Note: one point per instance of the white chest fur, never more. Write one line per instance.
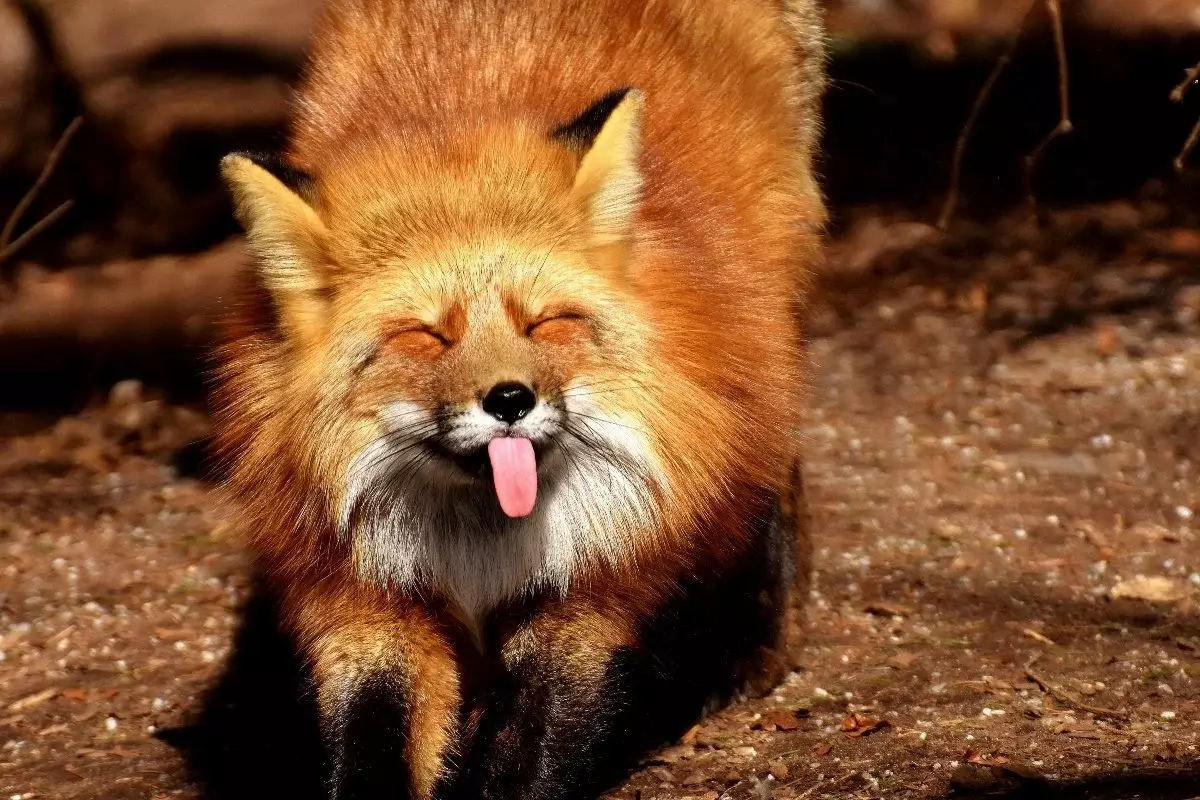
(414, 526)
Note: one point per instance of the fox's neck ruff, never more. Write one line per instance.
(416, 524)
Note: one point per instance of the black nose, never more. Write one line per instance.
(509, 402)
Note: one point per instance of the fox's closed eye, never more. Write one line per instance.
(559, 328)
(419, 342)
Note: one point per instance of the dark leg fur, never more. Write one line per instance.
(366, 736)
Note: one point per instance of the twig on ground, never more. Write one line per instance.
(1064, 126)
(9, 246)
(1066, 698)
(1190, 78)
(819, 784)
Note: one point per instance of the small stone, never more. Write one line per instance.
(126, 393)
(1156, 589)
(663, 774)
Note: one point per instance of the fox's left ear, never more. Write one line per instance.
(286, 236)
(609, 181)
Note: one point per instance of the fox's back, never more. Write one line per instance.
(715, 70)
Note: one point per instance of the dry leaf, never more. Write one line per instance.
(947, 530)
(902, 660)
(1156, 589)
(1015, 768)
(884, 609)
(1184, 240)
(1153, 532)
(1091, 532)
(998, 686)
(171, 635)
(822, 748)
(33, 700)
(977, 298)
(673, 755)
(781, 721)
(1108, 341)
(857, 725)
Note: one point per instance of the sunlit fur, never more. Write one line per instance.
(446, 219)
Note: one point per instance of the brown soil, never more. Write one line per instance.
(1003, 447)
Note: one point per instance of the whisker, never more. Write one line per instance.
(604, 421)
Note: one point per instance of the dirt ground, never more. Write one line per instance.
(1003, 447)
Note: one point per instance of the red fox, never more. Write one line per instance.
(510, 403)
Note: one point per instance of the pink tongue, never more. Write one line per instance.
(514, 468)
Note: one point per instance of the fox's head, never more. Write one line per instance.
(457, 350)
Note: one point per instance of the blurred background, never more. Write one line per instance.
(124, 283)
(1003, 435)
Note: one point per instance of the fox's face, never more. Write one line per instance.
(462, 357)
(490, 371)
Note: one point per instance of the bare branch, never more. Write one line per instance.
(1188, 147)
(964, 136)
(1064, 126)
(7, 245)
(1191, 76)
(42, 224)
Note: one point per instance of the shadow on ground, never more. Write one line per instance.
(256, 735)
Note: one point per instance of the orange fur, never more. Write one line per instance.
(449, 241)
(423, 123)
(349, 636)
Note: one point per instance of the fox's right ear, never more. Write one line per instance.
(287, 238)
(608, 181)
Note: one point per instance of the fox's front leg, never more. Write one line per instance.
(388, 694)
(553, 723)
